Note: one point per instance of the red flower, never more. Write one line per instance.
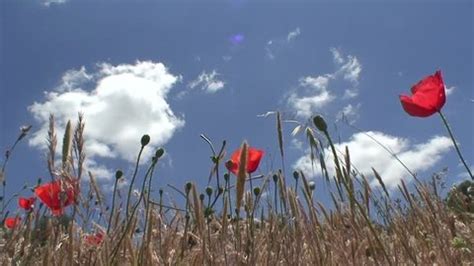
(11, 223)
(95, 239)
(254, 157)
(428, 96)
(26, 203)
(57, 195)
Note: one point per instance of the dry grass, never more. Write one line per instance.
(292, 228)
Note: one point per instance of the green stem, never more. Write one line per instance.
(127, 206)
(113, 206)
(455, 144)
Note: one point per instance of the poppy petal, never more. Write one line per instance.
(11, 222)
(26, 203)
(428, 96)
(253, 160)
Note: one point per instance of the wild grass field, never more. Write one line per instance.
(239, 219)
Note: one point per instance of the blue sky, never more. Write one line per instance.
(176, 69)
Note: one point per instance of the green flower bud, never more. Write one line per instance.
(312, 185)
(202, 197)
(320, 123)
(296, 175)
(118, 174)
(188, 187)
(256, 191)
(145, 140)
(226, 177)
(275, 178)
(209, 191)
(159, 153)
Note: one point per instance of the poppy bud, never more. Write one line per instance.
(296, 175)
(221, 190)
(256, 191)
(201, 197)
(145, 140)
(320, 123)
(161, 192)
(226, 177)
(275, 178)
(118, 174)
(312, 185)
(209, 191)
(159, 153)
(188, 187)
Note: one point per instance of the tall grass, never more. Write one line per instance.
(290, 227)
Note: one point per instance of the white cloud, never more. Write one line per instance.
(275, 46)
(365, 154)
(320, 82)
(293, 34)
(317, 94)
(50, 2)
(306, 106)
(74, 79)
(350, 113)
(208, 82)
(123, 103)
(450, 90)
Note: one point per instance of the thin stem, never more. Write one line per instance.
(455, 144)
(113, 206)
(133, 180)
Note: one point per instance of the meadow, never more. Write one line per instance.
(240, 218)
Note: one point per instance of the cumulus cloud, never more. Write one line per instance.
(316, 93)
(208, 82)
(120, 104)
(365, 154)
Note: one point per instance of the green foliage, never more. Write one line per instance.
(461, 197)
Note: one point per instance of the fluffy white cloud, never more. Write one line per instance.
(365, 154)
(208, 82)
(317, 95)
(123, 103)
(305, 106)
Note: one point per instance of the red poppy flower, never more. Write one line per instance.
(428, 96)
(254, 157)
(57, 195)
(11, 223)
(26, 203)
(95, 239)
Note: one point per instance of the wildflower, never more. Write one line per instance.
(57, 195)
(11, 223)
(253, 160)
(428, 96)
(94, 239)
(26, 203)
